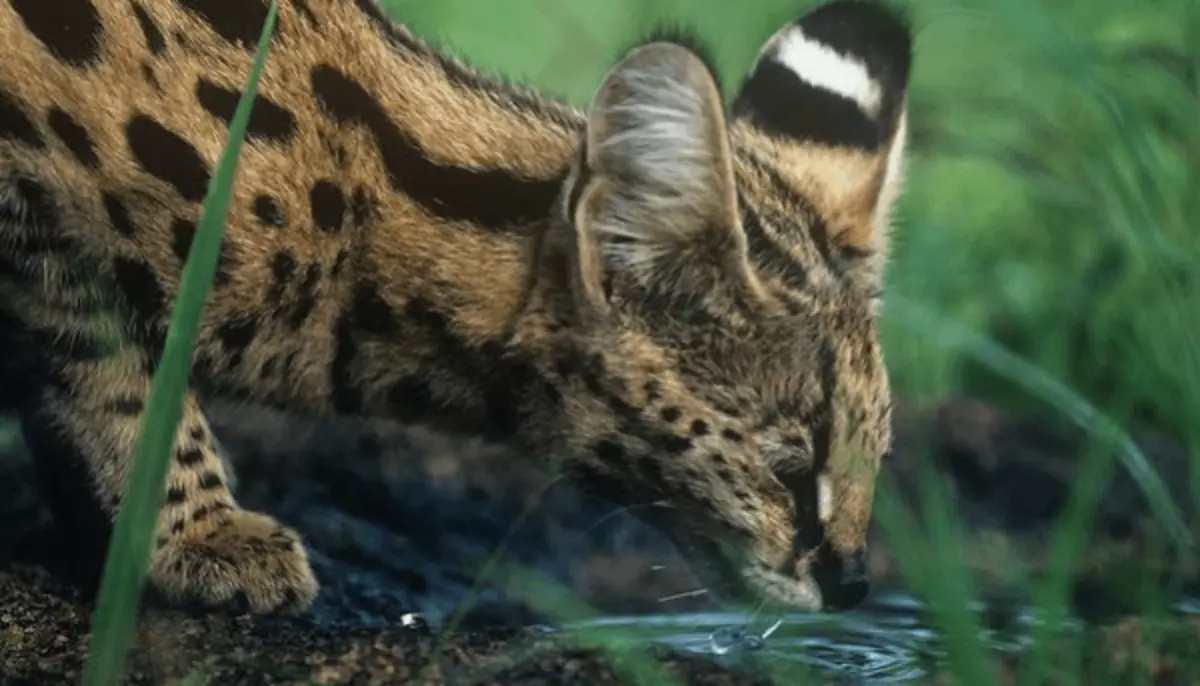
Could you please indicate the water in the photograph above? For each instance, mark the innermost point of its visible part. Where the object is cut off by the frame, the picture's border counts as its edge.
(887, 640)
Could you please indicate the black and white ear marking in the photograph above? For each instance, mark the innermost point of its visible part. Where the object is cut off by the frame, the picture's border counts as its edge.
(836, 76)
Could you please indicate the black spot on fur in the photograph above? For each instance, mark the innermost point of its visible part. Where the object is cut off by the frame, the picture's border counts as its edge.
(40, 210)
(494, 198)
(74, 136)
(268, 121)
(609, 451)
(422, 311)
(672, 445)
(189, 457)
(211, 481)
(731, 436)
(15, 124)
(237, 332)
(168, 157)
(328, 205)
(70, 29)
(240, 23)
(176, 495)
(268, 211)
(699, 427)
(653, 390)
(154, 37)
(671, 414)
(141, 289)
(127, 405)
(372, 314)
(183, 233)
(118, 214)
(283, 266)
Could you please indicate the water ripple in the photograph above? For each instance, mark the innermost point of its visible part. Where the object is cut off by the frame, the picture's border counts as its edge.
(884, 642)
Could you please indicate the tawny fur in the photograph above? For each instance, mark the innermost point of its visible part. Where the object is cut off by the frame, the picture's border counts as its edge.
(669, 303)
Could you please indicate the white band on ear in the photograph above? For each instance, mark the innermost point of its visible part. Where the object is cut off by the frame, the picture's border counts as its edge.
(823, 67)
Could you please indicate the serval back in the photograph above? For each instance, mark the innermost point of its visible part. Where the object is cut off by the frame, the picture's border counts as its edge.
(672, 302)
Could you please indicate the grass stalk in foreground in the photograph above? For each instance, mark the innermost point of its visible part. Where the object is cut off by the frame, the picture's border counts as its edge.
(114, 620)
(937, 572)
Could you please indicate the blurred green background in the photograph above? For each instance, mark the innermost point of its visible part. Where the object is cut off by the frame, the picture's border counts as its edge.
(1052, 196)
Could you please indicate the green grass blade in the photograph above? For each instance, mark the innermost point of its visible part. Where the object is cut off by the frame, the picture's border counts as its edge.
(936, 570)
(1083, 414)
(114, 620)
(1052, 594)
(629, 657)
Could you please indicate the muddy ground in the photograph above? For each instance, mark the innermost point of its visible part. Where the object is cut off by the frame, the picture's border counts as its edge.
(397, 519)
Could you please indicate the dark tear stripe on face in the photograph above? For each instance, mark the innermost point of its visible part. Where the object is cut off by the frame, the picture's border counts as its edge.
(803, 484)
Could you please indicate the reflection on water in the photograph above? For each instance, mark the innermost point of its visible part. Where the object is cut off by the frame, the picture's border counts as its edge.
(887, 640)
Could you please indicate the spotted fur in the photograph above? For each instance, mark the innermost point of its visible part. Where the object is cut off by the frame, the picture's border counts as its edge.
(672, 303)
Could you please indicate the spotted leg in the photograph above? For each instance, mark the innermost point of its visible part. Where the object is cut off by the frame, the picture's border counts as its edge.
(81, 422)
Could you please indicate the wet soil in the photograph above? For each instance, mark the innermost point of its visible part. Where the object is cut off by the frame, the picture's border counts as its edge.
(399, 520)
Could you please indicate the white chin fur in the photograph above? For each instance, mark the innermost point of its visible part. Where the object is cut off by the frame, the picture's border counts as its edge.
(801, 595)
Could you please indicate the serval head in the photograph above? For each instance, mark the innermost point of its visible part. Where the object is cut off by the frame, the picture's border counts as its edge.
(723, 270)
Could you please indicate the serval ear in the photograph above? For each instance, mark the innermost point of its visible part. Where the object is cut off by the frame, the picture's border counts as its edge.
(653, 194)
(829, 91)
